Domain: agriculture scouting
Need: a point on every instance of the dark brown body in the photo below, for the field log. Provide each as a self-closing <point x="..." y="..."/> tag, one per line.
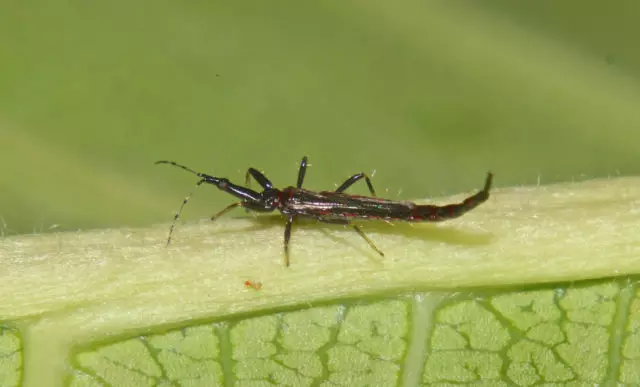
<point x="328" y="206"/>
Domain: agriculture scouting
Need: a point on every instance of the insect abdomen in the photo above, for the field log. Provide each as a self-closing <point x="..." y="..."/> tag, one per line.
<point x="430" y="213"/>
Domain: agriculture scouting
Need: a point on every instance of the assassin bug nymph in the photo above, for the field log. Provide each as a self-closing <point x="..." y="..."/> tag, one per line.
<point x="334" y="207"/>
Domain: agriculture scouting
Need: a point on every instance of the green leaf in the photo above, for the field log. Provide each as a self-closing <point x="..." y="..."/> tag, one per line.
<point x="430" y="94"/>
<point x="118" y="308"/>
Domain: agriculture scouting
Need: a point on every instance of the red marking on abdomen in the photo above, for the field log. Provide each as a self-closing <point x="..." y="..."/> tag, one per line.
<point x="421" y="213"/>
<point x="416" y="214"/>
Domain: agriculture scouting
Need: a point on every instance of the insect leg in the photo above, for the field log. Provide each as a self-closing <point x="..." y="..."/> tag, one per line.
<point x="366" y="238"/>
<point x="287" y="236"/>
<point x="358" y="230"/>
<point x="353" y="179"/>
<point x="302" y="171"/>
<point x="245" y="194"/>
<point x="259" y="177"/>
<point x="225" y="210"/>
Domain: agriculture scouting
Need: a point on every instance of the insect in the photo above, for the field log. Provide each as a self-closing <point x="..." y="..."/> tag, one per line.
<point x="334" y="207"/>
<point x="255" y="285"/>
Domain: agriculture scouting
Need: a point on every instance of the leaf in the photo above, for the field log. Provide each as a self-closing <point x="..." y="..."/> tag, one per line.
<point x="116" y="307"/>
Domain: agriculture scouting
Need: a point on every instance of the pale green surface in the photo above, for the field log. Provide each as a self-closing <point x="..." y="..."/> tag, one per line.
<point x="427" y="94"/>
<point x="117" y="307"/>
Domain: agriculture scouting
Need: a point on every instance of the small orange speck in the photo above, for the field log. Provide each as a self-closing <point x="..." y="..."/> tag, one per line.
<point x="253" y="284"/>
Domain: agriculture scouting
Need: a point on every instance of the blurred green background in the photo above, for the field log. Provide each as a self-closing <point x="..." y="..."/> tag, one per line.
<point x="430" y="95"/>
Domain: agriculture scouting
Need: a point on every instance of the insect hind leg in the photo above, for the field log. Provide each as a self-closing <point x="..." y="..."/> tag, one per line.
<point x="355" y="178"/>
<point x="366" y="238"/>
<point x="357" y="229"/>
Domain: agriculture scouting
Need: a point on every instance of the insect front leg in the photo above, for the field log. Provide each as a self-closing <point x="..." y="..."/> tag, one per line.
<point x="353" y="179"/>
<point x="259" y="177"/>
<point x="248" y="197"/>
<point x="358" y="230"/>
<point x="225" y="210"/>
